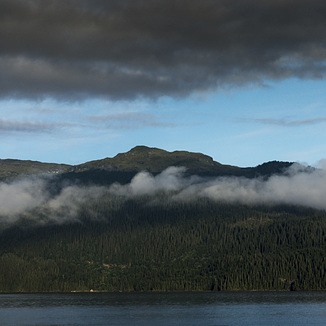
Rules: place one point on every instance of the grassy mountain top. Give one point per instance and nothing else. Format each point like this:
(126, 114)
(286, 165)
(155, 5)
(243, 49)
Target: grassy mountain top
(156, 160)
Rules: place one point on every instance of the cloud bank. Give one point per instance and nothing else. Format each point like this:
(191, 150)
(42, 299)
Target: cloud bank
(123, 49)
(30, 198)
(296, 187)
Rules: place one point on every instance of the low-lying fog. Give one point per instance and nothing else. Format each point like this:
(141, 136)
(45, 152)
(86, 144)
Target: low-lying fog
(296, 187)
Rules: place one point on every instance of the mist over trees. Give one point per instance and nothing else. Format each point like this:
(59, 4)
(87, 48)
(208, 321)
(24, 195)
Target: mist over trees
(58, 199)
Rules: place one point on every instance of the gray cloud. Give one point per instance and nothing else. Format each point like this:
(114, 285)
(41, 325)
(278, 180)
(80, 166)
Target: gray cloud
(19, 197)
(30, 127)
(129, 120)
(290, 123)
(66, 206)
(29, 198)
(150, 48)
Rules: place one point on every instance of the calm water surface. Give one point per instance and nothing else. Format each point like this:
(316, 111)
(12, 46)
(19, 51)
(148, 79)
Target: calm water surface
(209, 309)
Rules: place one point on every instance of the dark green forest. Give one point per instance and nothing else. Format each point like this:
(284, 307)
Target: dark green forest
(141, 245)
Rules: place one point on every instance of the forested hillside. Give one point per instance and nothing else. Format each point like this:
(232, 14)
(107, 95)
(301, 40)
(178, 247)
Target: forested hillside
(151, 220)
(139, 245)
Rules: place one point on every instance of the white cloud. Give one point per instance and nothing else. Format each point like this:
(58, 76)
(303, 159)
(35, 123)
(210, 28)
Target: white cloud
(20, 198)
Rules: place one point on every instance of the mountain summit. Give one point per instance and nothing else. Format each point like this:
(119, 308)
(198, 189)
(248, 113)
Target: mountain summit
(156, 160)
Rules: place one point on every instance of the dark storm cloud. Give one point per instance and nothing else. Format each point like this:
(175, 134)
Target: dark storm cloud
(125, 49)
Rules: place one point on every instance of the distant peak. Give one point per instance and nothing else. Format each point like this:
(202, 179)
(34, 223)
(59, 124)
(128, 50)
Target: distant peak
(142, 148)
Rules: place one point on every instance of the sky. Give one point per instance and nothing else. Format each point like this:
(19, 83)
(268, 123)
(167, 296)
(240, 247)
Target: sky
(240, 81)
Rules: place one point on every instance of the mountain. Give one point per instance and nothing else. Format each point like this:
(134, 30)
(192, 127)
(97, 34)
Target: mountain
(156, 160)
(58, 235)
(124, 166)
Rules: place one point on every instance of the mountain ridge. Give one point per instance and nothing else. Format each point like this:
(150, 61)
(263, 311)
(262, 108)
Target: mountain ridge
(154, 160)
(137, 159)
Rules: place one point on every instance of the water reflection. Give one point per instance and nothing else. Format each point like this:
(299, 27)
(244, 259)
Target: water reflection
(223, 308)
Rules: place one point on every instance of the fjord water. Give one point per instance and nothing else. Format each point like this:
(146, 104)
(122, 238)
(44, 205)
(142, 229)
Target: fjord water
(209, 309)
